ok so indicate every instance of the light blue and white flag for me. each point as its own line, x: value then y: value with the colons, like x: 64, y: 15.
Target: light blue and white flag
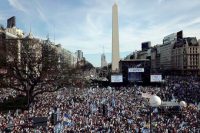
x: 67, y: 120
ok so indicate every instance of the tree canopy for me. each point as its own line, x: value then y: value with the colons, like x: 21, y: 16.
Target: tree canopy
x: 34, y: 67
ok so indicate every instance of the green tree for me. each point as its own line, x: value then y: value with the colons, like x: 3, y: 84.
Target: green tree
x: 34, y: 67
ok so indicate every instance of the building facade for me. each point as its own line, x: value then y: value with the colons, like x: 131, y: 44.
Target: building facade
x: 2, y: 50
x: 155, y: 59
x: 166, y: 51
x: 185, y: 56
x: 11, y: 33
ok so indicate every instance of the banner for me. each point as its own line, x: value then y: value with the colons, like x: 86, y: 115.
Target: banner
x: 168, y: 103
x: 67, y: 120
x: 156, y: 78
x: 116, y: 78
x: 136, y: 70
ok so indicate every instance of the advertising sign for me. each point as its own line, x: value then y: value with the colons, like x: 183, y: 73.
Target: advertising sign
x: 156, y: 78
x: 116, y: 78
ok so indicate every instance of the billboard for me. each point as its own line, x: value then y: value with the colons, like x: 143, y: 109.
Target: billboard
x: 136, y: 70
x: 156, y: 78
x: 116, y: 78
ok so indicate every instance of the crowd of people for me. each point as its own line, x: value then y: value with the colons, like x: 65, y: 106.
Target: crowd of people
x: 110, y: 110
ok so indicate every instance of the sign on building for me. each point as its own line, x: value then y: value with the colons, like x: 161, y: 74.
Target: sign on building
x: 136, y: 70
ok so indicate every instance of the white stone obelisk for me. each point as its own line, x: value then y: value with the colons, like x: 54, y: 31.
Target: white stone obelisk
x: 115, y: 39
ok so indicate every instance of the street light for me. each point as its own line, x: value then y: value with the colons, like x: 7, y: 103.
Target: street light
x: 154, y: 101
x: 183, y: 104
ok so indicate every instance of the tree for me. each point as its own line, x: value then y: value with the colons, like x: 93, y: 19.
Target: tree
x: 87, y: 66
x: 34, y: 67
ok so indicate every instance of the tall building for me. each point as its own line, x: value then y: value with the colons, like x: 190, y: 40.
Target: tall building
x: 146, y: 45
x: 166, y: 50
x: 155, y: 59
x: 11, y: 22
x: 115, y: 39
x: 103, y: 60
x: 2, y: 49
x: 74, y: 59
x: 68, y: 57
x: 79, y: 55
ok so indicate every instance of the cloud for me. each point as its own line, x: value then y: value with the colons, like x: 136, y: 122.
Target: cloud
x: 87, y: 24
x: 42, y: 13
x: 138, y: 22
x: 160, y: 1
x: 17, y: 5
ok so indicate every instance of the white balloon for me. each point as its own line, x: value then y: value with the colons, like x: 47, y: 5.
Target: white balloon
x: 155, y: 101
x: 183, y: 104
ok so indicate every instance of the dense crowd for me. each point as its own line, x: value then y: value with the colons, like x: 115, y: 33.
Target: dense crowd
x: 110, y: 110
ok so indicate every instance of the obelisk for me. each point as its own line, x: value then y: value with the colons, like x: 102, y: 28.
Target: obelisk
x: 115, y: 39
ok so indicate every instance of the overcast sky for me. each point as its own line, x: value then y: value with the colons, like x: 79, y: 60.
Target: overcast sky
x: 87, y: 24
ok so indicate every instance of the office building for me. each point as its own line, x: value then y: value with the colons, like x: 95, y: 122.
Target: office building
x: 103, y: 60
x: 166, y: 50
x: 79, y: 55
x: 155, y: 59
x: 146, y: 45
x: 11, y: 22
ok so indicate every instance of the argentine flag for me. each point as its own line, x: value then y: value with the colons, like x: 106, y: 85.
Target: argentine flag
x: 67, y: 120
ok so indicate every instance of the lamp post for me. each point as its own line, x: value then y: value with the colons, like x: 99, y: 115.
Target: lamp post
x: 28, y: 106
x: 154, y: 101
x: 183, y: 104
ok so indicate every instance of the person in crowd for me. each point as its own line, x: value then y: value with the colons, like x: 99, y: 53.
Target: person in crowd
x: 109, y: 110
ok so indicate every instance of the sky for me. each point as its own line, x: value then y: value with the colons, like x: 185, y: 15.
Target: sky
x: 87, y: 24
